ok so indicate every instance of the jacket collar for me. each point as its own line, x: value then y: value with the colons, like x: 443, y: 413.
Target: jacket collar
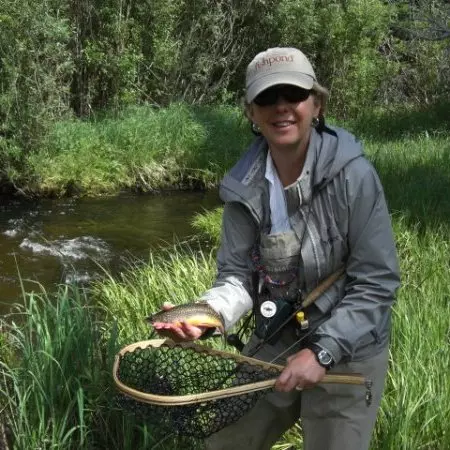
x: 328, y: 152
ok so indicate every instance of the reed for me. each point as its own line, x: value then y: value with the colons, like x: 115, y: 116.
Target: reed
x: 415, y: 408
x: 57, y: 392
x: 45, y: 386
x: 177, y: 275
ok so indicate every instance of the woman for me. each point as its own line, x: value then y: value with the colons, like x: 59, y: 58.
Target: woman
x: 302, y: 203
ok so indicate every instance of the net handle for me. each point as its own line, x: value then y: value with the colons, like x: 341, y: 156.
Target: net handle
x: 168, y: 400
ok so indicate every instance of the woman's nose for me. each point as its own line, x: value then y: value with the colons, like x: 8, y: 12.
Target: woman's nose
x: 281, y: 102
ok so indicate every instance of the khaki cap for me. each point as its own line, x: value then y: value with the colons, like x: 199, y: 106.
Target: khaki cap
x: 280, y: 65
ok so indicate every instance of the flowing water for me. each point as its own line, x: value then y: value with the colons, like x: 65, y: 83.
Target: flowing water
x: 49, y: 242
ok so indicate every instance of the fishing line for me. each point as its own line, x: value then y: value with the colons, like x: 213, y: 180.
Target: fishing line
x: 324, y: 319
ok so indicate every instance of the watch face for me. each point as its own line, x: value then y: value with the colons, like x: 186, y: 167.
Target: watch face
x: 324, y: 358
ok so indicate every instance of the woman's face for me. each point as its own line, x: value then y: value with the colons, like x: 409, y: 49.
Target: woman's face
x: 284, y: 114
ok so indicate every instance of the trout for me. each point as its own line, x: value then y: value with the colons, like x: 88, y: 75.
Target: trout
x: 196, y: 314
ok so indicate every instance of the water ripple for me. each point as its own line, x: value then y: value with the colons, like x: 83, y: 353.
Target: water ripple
x: 83, y: 247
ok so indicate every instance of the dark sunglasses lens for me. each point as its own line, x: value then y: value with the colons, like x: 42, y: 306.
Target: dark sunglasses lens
x: 267, y: 97
x: 295, y: 94
x: 291, y: 94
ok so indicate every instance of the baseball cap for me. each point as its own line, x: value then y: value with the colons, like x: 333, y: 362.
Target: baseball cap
x: 280, y: 65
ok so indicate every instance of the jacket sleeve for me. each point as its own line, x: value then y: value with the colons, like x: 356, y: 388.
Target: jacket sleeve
x: 372, y: 271
x: 230, y: 294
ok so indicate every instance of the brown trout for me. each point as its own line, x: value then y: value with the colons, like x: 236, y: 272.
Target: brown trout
x: 197, y: 314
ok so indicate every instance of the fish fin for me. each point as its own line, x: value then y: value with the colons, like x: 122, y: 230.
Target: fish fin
x: 207, y: 334
x: 206, y: 323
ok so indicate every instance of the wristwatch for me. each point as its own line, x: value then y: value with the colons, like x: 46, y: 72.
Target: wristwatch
x: 322, y: 356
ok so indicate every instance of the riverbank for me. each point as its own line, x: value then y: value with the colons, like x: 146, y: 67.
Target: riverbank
x: 140, y: 150
x: 147, y: 149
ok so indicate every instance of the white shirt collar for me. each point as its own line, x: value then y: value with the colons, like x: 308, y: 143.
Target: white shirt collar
x: 278, y: 209
x: 271, y: 172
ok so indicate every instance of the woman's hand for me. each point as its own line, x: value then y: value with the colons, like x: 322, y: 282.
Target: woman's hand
x: 178, y: 332
x: 302, y: 370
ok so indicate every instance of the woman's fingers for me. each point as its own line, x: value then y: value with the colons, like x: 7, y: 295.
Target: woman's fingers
x: 302, y: 370
x: 179, y: 331
x: 284, y: 382
x: 192, y: 331
x: 167, y: 305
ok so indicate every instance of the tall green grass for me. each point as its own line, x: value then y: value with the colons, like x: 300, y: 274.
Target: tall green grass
x: 415, y: 409
x: 56, y: 387
x: 147, y: 149
x: 45, y: 389
x: 177, y: 275
x: 144, y: 149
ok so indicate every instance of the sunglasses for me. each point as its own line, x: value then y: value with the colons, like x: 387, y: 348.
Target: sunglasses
x: 292, y: 94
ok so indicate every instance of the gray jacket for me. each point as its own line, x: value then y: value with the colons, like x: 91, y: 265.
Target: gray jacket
x: 340, y: 199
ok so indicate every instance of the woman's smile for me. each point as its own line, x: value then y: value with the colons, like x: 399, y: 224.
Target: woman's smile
x: 283, y: 123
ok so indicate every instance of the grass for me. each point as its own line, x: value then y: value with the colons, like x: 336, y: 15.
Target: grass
x: 143, y: 149
x: 147, y: 149
x: 57, y: 393
x: 45, y: 388
x: 177, y: 275
x: 56, y: 351
x: 60, y: 394
x: 209, y: 224
x: 415, y: 409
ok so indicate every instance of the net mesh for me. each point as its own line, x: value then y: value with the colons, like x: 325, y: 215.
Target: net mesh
x: 177, y: 371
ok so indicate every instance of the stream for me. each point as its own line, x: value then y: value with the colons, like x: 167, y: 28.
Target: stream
x: 53, y: 241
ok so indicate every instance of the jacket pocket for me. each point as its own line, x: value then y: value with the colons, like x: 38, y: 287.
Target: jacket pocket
x: 366, y: 346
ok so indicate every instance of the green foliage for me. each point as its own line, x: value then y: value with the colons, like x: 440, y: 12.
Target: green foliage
x: 105, y: 49
x: 35, y: 73
x: 342, y: 39
x: 199, y: 49
x: 419, y: 45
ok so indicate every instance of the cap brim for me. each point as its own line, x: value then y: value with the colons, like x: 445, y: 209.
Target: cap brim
x: 294, y: 78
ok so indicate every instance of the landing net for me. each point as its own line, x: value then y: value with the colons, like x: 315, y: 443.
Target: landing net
x: 192, y: 389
